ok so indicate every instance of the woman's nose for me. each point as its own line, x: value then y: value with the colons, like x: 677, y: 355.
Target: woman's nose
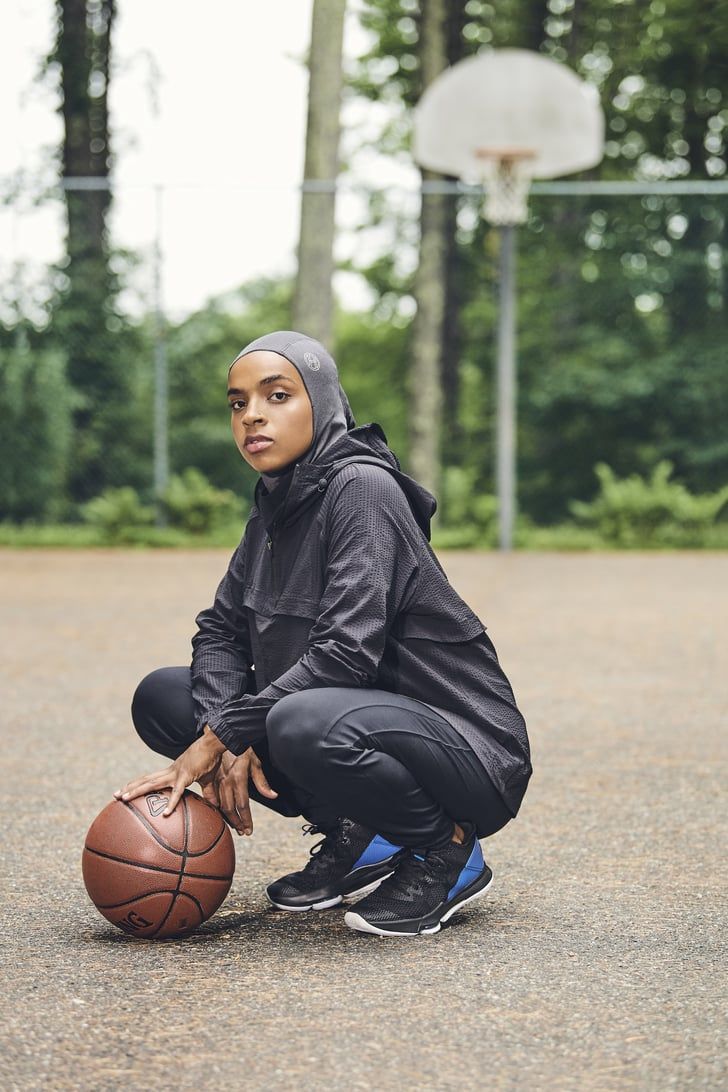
x: 252, y: 414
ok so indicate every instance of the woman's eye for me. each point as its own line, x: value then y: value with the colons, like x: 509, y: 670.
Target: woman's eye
x: 240, y: 402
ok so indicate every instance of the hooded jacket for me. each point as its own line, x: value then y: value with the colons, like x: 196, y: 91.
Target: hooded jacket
x: 335, y: 584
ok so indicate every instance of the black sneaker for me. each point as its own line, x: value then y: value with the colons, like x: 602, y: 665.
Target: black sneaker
x: 350, y: 860
x: 425, y: 890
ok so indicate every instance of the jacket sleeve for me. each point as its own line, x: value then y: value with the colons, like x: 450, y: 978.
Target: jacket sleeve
x: 372, y: 566
x: 221, y: 650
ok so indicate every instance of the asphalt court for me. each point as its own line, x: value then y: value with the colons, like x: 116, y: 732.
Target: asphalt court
x: 597, y: 959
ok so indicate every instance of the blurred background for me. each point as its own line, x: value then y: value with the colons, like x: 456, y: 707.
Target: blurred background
x: 172, y: 187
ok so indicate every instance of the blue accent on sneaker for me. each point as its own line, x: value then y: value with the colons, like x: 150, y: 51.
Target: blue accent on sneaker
x: 377, y: 850
x: 474, y: 866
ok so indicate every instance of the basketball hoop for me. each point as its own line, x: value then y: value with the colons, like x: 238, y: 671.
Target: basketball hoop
x: 507, y: 179
x: 502, y: 118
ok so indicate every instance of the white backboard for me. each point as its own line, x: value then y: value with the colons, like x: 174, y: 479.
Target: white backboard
x: 514, y: 99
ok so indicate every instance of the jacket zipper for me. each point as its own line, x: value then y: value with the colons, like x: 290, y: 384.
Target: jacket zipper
x: 270, y: 545
x: 269, y: 540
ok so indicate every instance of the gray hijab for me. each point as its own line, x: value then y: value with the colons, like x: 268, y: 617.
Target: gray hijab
x: 332, y: 416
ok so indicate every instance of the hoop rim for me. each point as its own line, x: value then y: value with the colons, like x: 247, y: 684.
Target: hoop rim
x: 505, y: 154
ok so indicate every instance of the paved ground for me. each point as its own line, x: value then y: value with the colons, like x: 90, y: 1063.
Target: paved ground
x: 596, y: 960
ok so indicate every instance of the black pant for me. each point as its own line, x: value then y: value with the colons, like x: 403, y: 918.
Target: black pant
x: 382, y: 759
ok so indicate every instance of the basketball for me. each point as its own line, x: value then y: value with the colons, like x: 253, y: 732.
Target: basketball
x: 154, y: 876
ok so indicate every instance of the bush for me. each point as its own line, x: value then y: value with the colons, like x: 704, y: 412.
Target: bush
x: 194, y: 504
x: 36, y: 434
x: 634, y: 513
x: 118, y: 514
x: 472, y: 517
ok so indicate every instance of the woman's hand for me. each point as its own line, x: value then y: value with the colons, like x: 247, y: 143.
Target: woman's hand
x: 201, y: 759
x: 227, y: 788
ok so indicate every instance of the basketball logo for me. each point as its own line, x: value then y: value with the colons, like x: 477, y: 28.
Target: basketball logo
x: 312, y: 360
x: 156, y: 803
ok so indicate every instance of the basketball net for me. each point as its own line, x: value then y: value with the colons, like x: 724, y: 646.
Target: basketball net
x: 507, y: 180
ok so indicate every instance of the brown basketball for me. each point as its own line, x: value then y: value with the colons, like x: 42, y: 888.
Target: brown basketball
x: 157, y: 876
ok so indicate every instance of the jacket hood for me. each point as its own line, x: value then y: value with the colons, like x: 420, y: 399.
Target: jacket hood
x: 363, y: 444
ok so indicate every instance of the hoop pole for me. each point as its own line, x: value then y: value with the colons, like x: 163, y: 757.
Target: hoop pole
x: 506, y: 425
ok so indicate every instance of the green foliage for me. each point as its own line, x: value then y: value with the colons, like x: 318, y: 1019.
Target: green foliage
x: 35, y: 439
x: 195, y: 505
x: 636, y: 513
x: 118, y: 514
x: 623, y: 315
x: 472, y: 516
x: 561, y: 536
x: 192, y: 504
x: 30, y: 534
x: 79, y: 535
x: 370, y: 354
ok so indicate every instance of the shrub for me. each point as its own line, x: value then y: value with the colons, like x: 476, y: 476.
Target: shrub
x: 194, y: 504
x: 117, y: 514
x: 632, y: 512
x: 472, y: 517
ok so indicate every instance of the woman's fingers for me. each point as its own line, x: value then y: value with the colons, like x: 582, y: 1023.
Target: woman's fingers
x: 234, y: 801
x: 227, y: 806
x: 209, y: 786
x: 147, y: 783
x: 259, y: 778
x: 239, y: 777
x: 177, y: 791
x: 242, y: 804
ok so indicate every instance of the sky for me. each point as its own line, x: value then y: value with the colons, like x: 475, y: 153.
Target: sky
x: 213, y: 111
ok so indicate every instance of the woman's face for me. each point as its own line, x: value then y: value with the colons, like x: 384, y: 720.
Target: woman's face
x: 268, y: 398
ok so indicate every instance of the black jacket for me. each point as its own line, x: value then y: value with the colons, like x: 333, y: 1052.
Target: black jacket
x: 337, y: 585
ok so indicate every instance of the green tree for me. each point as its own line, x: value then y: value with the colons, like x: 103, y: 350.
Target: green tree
x: 425, y: 373
x: 102, y: 350
x: 622, y: 302
x: 35, y: 440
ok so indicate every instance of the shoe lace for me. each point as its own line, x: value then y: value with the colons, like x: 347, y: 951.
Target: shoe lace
x: 333, y: 845
x: 409, y: 876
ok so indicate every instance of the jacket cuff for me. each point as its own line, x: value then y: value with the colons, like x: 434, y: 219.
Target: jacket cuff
x: 227, y: 735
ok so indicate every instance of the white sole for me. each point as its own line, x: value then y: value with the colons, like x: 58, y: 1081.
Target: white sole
x: 326, y: 904
x: 304, y: 909
x: 355, y: 921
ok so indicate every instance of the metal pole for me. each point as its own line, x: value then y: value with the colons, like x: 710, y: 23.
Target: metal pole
x: 161, y: 412
x: 506, y: 425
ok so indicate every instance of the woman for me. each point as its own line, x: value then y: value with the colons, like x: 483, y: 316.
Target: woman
x: 338, y: 675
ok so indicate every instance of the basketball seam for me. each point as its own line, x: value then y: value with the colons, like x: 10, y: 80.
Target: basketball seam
x: 156, y: 868
x: 202, y: 852
x: 165, y: 845
x: 137, y: 898
x: 198, y: 904
x: 163, y: 891
x: 157, y: 837
x: 181, y: 869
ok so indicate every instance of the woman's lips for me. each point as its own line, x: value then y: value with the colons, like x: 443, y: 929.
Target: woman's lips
x: 257, y: 445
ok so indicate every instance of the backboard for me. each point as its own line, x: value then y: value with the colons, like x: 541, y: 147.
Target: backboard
x: 548, y: 119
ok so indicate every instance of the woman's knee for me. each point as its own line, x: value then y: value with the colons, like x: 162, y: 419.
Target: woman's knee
x: 294, y: 727
x: 155, y: 697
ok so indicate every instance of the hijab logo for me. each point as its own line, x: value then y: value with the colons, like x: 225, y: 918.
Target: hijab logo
x: 312, y: 360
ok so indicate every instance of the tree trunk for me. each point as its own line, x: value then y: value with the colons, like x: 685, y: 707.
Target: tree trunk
x: 312, y: 302
x: 84, y: 313
x: 83, y: 51
x: 424, y: 379
x: 451, y: 337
